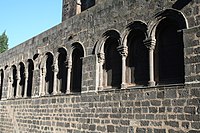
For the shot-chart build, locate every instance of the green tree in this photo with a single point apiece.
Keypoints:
(3, 42)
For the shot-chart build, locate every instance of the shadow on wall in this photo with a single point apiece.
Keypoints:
(179, 4)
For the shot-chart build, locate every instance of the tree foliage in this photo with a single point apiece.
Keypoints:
(3, 42)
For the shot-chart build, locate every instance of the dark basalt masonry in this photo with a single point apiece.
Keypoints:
(126, 66)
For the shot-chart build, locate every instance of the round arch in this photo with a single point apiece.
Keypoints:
(112, 33)
(172, 14)
(166, 30)
(76, 54)
(109, 59)
(135, 69)
(44, 58)
(77, 45)
(135, 25)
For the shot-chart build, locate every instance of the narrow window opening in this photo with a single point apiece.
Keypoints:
(113, 64)
(137, 59)
(83, 5)
(22, 79)
(30, 77)
(76, 76)
(49, 73)
(62, 70)
(14, 80)
(169, 61)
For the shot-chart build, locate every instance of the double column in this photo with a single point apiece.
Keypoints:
(56, 84)
(55, 73)
(101, 60)
(150, 44)
(123, 50)
(18, 87)
(43, 73)
(10, 89)
(69, 69)
(25, 83)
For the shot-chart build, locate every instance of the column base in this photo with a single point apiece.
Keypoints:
(42, 94)
(68, 92)
(151, 83)
(54, 93)
(123, 86)
(100, 88)
(18, 97)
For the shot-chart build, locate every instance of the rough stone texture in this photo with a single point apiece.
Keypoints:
(79, 113)
(159, 109)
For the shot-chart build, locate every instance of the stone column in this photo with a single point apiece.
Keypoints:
(18, 88)
(101, 59)
(42, 89)
(26, 83)
(10, 87)
(78, 6)
(9, 83)
(55, 70)
(150, 44)
(69, 69)
(123, 50)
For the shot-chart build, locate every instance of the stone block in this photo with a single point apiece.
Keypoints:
(159, 130)
(195, 125)
(140, 130)
(160, 94)
(170, 93)
(153, 109)
(121, 129)
(190, 110)
(110, 128)
(172, 123)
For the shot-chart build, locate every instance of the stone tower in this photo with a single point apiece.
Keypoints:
(73, 7)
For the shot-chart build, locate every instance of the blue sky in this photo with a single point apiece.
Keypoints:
(23, 19)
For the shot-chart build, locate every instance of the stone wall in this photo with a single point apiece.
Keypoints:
(158, 109)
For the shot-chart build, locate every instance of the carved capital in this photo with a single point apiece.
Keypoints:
(101, 57)
(43, 71)
(25, 74)
(78, 2)
(17, 76)
(123, 50)
(68, 64)
(150, 43)
(55, 68)
(10, 79)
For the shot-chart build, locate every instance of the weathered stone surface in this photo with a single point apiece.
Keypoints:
(54, 107)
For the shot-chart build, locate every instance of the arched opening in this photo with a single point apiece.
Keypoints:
(1, 83)
(35, 56)
(113, 64)
(22, 79)
(85, 4)
(49, 73)
(169, 56)
(76, 75)
(14, 80)
(62, 70)
(137, 72)
(30, 77)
